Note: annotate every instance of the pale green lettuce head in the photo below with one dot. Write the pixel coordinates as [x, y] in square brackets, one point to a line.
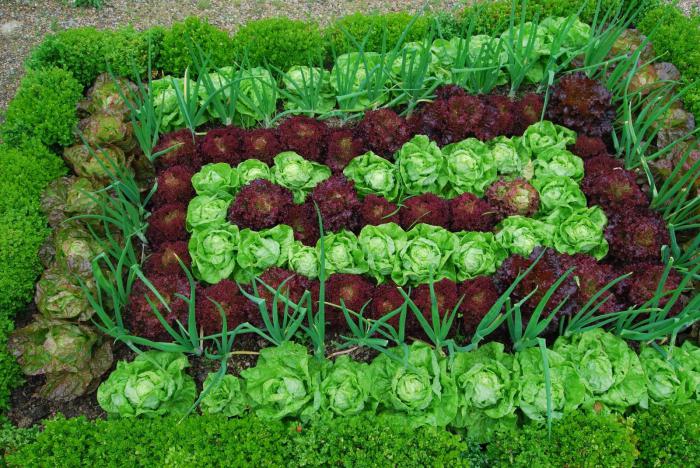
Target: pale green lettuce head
[579, 230]
[477, 254]
[252, 169]
[558, 191]
[213, 250]
[422, 166]
[304, 259]
[471, 167]
[215, 179]
[260, 250]
[520, 235]
[227, 398]
[381, 246]
[207, 210]
[343, 253]
[373, 174]
[297, 174]
[426, 255]
[345, 387]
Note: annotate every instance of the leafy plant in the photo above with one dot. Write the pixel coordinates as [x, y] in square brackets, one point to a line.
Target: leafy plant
[153, 384]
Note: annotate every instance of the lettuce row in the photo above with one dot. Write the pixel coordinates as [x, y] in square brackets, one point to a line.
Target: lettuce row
[481, 392]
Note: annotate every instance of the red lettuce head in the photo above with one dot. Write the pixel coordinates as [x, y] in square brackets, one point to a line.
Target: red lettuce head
[377, 210]
[304, 221]
[613, 189]
[591, 277]
[385, 299]
[513, 197]
[338, 203]
[582, 104]
[293, 289]
[470, 213]
[343, 146]
[142, 320]
[636, 235]
[305, 136]
[588, 147]
[478, 296]
[260, 205]
[183, 152]
[641, 286]
[426, 208]
[383, 131]
[544, 274]
[174, 186]
[353, 290]
[223, 145]
[164, 261]
[446, 295]
[528, 111]
[447, 91]
[167, 224]
[234, 304]
[499, 117]
[262, 144]
[463, 116]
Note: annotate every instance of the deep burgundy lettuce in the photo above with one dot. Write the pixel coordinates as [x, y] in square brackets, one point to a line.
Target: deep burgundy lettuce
[260, 204]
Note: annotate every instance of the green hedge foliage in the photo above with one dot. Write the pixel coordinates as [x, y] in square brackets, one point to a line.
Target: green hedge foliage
[212, 441]
[578, 439]
[85, 52]
[669, 436]
[371, 26]
[25, 171]
[662, 436]
[676, 38]
[43, 108]
[176, 47]
[279, 42]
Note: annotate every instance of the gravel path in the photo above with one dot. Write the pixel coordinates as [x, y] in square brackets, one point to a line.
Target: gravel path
[23, 23]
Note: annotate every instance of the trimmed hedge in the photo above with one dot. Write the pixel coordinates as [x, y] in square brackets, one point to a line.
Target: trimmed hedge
[371, 26]
[175, 54]
[677, 38]
[43, 108]
[579, 439]
[663, 436]
[211, 441]
[279, 42]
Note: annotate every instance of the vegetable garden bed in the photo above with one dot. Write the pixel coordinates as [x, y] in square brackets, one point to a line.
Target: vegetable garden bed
[427, 240]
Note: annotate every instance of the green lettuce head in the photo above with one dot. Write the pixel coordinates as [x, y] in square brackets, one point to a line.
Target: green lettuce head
[213, 251]
[345, 387]
[227, 398]
[669, 381]
[558, 191]
[510, 159]
[610, 369]
[568, 389]
[542, 135]
[688, 358]
[381, 246]
[471, 167]
[355, 72]
[556, 162]
[299, 79]
[579, 230]
[257, 96]
[577, 35]
[260, 250]
[423, 389]
[343, 253]
[252, 169]
[207, 210]
[60, 295]
[422, 166]
[297, 174]
[486, 391]
[153, 384]
[373, 174]
[444, 54]
[520, 235]
[304, 259]
[284, 383]
[425, 255]
[216, 178]
[477, 254]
